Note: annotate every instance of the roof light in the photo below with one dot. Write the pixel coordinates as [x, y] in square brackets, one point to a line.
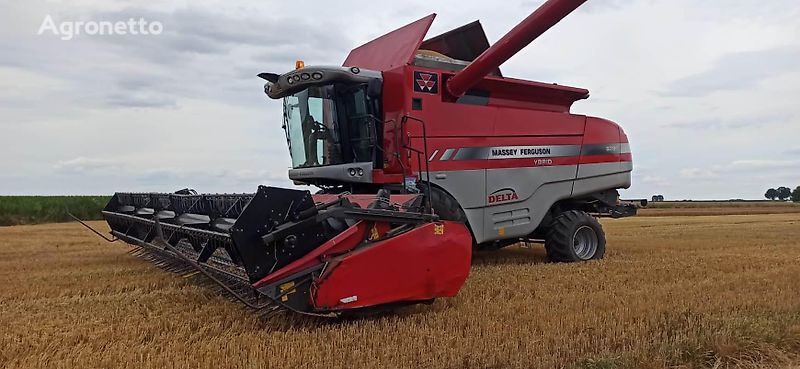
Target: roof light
[299, 64]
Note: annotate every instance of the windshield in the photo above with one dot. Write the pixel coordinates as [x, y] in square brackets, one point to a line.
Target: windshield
[326, 127]
[309, 121]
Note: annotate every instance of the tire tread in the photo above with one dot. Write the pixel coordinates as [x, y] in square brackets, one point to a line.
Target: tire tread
[558, 242]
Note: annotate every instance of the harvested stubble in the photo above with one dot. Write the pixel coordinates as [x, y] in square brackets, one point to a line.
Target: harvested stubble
[672, 292]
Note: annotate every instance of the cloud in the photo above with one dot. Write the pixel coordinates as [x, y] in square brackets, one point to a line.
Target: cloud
[748, 168]
[84, 165]
[128, 100]
[723, 124]
[195, 30]
[656, 181]
[603, 6]
[761, 165]
[698, 173]
[736, 71]
[184, 108]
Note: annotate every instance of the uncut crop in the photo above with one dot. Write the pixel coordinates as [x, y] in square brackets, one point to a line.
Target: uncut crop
[686, 292]
[48, 209]
[688, 208]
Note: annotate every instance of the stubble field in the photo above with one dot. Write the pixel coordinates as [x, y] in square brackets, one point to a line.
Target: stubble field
[693, 292]
[689, 208]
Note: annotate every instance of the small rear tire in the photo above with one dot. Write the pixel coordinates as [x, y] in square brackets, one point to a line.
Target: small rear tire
[575, 236]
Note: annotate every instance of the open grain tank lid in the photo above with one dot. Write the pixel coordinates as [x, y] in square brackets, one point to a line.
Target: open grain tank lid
[452, 50]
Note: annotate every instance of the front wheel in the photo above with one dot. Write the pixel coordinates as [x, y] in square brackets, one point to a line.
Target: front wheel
[575, 236]
[446, 207]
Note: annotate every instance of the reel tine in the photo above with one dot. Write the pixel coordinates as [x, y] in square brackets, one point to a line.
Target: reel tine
[168, 261]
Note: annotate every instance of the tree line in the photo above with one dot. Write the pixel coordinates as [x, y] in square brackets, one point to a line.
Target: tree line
[783, 193]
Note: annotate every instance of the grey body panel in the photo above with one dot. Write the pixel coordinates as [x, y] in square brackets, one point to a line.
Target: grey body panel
[597, 177]
[535, 191]
[468, 187]
[339, 172]
[536, 188]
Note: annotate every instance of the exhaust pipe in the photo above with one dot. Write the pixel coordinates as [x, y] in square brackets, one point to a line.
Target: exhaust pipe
[550, 13]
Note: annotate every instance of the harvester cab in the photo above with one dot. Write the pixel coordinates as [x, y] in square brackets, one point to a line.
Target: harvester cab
[423, 151]
[332, 120]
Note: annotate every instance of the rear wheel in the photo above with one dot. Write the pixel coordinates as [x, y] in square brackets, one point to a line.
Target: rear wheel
[575, 236]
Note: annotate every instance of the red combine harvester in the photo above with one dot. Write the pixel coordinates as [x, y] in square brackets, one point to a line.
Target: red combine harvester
[423, 152]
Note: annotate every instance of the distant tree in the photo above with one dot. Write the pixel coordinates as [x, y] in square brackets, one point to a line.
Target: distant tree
[771, 194]
[796, 194]
[657, 198]
[784, 193]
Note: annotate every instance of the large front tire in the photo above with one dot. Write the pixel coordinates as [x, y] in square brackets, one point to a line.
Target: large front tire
[446, 207]
[575, 236]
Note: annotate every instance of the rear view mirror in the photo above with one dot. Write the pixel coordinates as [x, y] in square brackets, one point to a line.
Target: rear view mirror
[271, 77]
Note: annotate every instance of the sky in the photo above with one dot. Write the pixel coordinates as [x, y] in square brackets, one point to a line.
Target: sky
[707, 92]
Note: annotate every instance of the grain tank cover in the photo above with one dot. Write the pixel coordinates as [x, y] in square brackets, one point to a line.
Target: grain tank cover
[403, 45]
[394, 49]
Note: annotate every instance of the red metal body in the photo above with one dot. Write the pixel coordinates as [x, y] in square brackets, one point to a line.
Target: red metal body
[516, 112]
[491, 161]
[429, 261]
[447, 111]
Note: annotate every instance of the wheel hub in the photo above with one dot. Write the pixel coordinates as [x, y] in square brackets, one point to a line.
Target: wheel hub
[585, 242]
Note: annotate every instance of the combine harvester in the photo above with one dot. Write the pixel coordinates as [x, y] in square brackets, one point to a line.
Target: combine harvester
[423, 152]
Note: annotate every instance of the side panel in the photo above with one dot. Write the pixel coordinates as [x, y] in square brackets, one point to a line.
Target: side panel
[602, 176]
[605, 160]
[468, 187]
[528, 175]
[519, 198]
[525, 122]
[523, 175]
[428, 262]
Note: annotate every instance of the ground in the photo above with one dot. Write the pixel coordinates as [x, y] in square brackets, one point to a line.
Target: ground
[676, 291]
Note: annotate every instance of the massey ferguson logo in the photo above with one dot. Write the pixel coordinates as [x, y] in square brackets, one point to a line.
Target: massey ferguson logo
[426, 82]
[502, 196]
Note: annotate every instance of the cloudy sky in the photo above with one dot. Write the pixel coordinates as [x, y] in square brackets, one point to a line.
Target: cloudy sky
[707, 90]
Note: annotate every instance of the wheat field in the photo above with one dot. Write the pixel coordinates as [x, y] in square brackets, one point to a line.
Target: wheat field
[672, 292]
